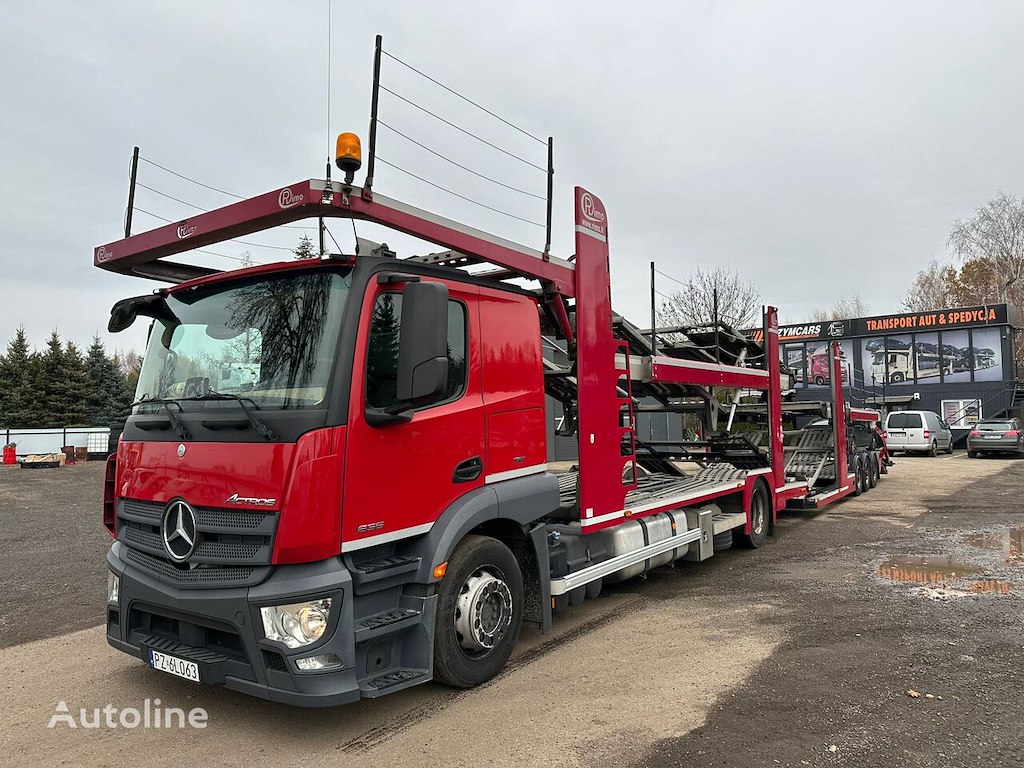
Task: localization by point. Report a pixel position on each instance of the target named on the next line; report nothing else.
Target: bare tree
(850, 306)
(935, 287)
(994, 236)
(693, 303)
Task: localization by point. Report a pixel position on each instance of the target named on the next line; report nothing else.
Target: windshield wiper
(178, 425)
(243, 402)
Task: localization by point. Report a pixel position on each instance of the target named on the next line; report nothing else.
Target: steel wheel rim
(483, 611)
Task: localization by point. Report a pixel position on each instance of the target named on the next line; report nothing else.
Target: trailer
(369, 507)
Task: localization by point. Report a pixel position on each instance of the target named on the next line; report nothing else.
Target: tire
(949, 451)
(897, 378)
(819, 380)
(972, 454)
(858, 478)
(934, 450)
(760, 519)
(874, 470)
(480, 602)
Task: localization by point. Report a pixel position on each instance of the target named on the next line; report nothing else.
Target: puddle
(933, 573)
(1009, 543)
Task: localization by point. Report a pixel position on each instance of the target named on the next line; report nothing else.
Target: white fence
(30, 441)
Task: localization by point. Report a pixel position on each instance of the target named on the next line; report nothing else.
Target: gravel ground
(53, 544)
(801, 653)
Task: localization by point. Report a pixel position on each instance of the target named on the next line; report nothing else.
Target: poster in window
(793, 357)
(872, 357)
(928, 358)
(956, 358)
(899, 359)
(818, 365)
(985, 354)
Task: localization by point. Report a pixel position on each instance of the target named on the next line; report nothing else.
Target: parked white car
(921, 431)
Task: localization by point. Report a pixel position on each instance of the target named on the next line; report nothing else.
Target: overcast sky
(820, 149)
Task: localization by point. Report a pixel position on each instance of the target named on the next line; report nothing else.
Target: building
(957, 362)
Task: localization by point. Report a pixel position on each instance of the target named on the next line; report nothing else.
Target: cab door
(400, 475)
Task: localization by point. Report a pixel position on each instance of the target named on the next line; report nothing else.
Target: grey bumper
(221, 630)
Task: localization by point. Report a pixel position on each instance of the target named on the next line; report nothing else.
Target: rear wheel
(934, 450)
(874, 471)
(479, 612)
(760, 519)
(858, 477)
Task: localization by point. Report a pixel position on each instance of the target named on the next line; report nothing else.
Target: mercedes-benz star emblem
(179, 530)
(181, 450)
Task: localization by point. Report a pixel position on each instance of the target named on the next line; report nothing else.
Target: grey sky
(820, 149)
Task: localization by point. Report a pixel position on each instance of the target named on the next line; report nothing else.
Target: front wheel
(479, 612)
(760, 519)
(972, 454)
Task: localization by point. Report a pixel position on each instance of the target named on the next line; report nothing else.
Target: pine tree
(76, 387)
(305, 249)
(15, 379)
(109, 393)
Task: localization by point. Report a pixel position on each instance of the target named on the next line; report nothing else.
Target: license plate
(898, 434)
(175, 666)
(993, 437)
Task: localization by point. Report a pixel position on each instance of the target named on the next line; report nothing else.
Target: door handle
(468, 470)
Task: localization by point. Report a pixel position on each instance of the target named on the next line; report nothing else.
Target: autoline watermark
(151, 715)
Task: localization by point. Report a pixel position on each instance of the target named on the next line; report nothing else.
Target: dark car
(995, 436)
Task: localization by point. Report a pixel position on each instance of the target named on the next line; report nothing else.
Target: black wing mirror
(422, 343)
(124, 313)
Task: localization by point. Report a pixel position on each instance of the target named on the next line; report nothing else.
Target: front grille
(230, 543)
(201, 576)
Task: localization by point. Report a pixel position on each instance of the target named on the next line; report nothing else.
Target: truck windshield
(271, 339)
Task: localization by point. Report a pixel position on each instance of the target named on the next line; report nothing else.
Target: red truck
(334, 483)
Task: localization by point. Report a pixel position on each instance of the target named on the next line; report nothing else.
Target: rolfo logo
(151, 715)
(287, 198)
(186, 230)
(102, 254)
(590, 209)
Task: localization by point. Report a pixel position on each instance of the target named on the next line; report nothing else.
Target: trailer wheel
(479, 612)
(874, 471)
(760, 519)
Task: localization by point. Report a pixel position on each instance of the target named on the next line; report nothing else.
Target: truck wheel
(865, 471)
(479, 612)
(858, 478)
(934, 450)
(760, 519)
(819, 380)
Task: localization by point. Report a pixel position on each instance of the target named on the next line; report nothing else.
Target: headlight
(113, 586)
(296, 624)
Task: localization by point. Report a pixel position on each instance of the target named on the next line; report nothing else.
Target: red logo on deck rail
(287, 198)
(102, 254)
(186, 230)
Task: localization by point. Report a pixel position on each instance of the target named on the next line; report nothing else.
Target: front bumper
(222, 631)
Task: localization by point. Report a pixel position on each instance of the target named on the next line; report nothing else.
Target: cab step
(386, 623)
(382, 572)
(389, 682)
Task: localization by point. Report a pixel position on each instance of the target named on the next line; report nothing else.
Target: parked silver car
(921, 431)
(995, 436)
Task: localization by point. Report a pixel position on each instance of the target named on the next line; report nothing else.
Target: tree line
(60, 386)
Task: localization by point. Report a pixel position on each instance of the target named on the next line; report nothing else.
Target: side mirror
(422, 343)
(122, 315)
